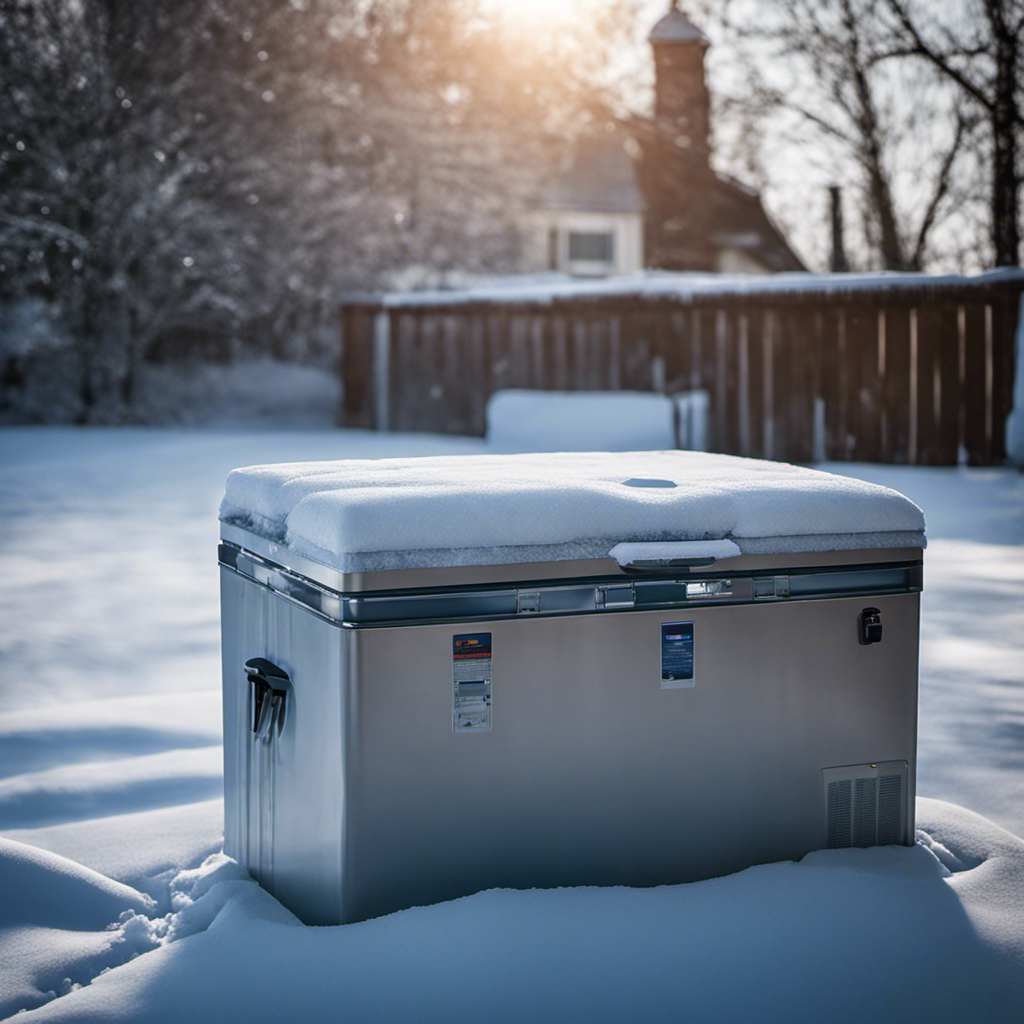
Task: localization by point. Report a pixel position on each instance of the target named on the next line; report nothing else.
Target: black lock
(869, 626)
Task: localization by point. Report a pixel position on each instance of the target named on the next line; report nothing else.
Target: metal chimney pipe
(838, 263)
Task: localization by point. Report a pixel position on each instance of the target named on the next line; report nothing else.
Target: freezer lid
(641, 561)
(419, 596)
(366, 516)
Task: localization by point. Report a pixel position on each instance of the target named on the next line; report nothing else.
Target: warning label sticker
(471, 682)
(676, 655)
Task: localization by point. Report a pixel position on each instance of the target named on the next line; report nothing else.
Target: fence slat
(977, 440)
(800, 345)
(755, 382)
(948, 362)
(675, 346)
(833, 327)
(478, 385)
(634, 350)
(601, 351)
(896, 387)
(460, 401)
(403, 327)
(498, 345)
(1004, 358)
(359, 408)
(929, 347)
(862, 403)
(781, 370)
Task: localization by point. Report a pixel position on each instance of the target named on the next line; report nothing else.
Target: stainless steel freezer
(403, 737)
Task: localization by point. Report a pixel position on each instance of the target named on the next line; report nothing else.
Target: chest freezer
(447, 675)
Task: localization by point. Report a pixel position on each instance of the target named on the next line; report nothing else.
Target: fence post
(357, 373)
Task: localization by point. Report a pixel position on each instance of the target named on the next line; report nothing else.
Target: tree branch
(46, 227)
(939, 60)
(942, 187)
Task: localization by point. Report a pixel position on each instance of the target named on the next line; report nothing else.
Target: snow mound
(143, 849)
(62, 925)
(883, 934)
(45, 890)
(360, 515)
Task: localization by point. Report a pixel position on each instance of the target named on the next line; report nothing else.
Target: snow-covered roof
(544, 289)
(365, 516)
(675, 27)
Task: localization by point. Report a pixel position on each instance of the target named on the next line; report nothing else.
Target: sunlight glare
(536, 12)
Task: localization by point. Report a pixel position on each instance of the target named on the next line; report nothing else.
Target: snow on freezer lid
(369, 515)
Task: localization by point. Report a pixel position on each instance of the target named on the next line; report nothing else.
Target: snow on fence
(904, 368)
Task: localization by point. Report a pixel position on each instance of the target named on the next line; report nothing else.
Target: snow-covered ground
(110, 760)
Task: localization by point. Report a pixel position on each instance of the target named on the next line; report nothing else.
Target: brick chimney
(680, 91)
(676, 176)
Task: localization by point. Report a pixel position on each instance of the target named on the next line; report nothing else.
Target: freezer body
(536, 731)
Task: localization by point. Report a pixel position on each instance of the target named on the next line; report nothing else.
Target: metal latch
(268, 698)
(610, 598)
(767, 588)
(708, 589)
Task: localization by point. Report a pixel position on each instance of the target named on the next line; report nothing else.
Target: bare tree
(825, 62)
(978, 46)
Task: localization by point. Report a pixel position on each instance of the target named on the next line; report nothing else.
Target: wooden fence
(904, 368)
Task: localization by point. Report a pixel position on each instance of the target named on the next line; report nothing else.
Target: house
(646, 196)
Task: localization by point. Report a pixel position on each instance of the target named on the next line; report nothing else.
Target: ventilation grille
(864, 804)
(839, 831)
(890, 810)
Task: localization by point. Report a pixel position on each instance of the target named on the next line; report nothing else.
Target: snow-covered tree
(224, 168)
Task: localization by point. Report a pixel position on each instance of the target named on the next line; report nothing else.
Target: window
(591, 246)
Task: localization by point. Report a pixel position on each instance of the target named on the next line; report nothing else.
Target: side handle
(270, 694)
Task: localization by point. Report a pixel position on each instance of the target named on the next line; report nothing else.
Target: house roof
(742, 223)
(600, 179)
(603, 179)
(675, 27)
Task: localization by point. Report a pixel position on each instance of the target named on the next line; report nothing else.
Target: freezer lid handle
(656, 556)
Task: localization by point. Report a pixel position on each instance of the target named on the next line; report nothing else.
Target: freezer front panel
(619, 745)
(594, 771)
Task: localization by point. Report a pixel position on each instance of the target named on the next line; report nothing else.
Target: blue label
(677, 652)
